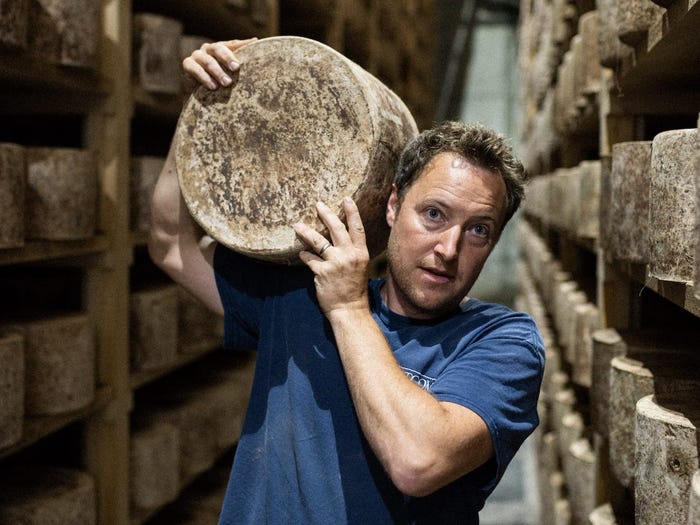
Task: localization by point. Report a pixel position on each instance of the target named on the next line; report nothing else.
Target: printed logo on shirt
(421, 380)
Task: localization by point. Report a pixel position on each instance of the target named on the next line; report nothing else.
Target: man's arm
(177, 244)
(423, 443)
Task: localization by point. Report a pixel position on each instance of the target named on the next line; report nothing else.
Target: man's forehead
(452, 158)
(458, 161)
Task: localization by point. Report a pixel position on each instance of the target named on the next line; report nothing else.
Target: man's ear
(392, 206)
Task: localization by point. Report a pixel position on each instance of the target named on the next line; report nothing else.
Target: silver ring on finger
(324, 248)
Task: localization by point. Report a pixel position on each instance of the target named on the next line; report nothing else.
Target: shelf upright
(107, 288)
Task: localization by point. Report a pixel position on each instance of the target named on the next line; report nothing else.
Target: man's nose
(449, 242)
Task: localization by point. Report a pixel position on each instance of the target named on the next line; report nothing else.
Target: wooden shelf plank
(39, 427)
(21, 69)
(588, 244)
(215, 19)
(166, 107)
(34, 251)
(139, 238)
(680, 294)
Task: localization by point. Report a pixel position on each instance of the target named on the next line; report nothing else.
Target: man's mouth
(437, 274)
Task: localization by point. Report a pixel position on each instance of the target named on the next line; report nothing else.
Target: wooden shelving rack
(119, 120)
(651, 87)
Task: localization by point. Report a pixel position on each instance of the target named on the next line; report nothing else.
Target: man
(401, 401)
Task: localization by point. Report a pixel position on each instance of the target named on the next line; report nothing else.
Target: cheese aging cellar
(145, 379)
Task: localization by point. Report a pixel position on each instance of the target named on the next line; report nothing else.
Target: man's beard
(400, 276)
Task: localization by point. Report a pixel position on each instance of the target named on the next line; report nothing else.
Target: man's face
(441, 234)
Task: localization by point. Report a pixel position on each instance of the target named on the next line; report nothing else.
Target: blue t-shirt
(302, 457)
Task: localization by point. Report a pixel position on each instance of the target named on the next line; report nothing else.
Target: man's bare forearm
(422, 443)
(177, 244)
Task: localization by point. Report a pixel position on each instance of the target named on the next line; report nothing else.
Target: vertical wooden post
(107, 432)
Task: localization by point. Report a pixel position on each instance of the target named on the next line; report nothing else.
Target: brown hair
(475, 142)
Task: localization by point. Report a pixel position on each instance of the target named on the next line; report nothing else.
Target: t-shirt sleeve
(235, 280)
(240, 282)
(248, 289)
(498, 375)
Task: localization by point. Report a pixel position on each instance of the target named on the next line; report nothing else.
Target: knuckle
(199, 54)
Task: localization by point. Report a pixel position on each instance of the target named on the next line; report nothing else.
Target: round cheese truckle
(300, 123)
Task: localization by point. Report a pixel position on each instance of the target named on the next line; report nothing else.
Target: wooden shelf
(184, 357)
(587, 244)
(21, 69)
(214, 19)
(39, 427)
(680, 294)
(661, 73)
(166, 107)
(139, 238)
(34, 251)
(139, 516)
(105, 113)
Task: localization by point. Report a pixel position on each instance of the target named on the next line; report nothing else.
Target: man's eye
(481, 230)
(433, 213)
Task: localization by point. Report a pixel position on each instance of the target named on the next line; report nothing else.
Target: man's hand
(341, 263)
(212, 64)
(422, 443)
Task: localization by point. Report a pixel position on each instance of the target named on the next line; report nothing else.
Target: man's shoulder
(473, 307)
(500, 320)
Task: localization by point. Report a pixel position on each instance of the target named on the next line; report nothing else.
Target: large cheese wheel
(59, 363)
(62, 193)
(672, 206)
(153, 327)
(66, 32)
(300, 123)
(154, 464)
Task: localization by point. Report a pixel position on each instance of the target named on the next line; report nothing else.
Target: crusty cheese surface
(300, 123)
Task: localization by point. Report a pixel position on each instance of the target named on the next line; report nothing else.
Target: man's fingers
(223, 52)
(221, 56)
(213, 63)
(197, 73)
(356, 229)
(340, 235)
(314, 240)
(236, 44)
(336, 228)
